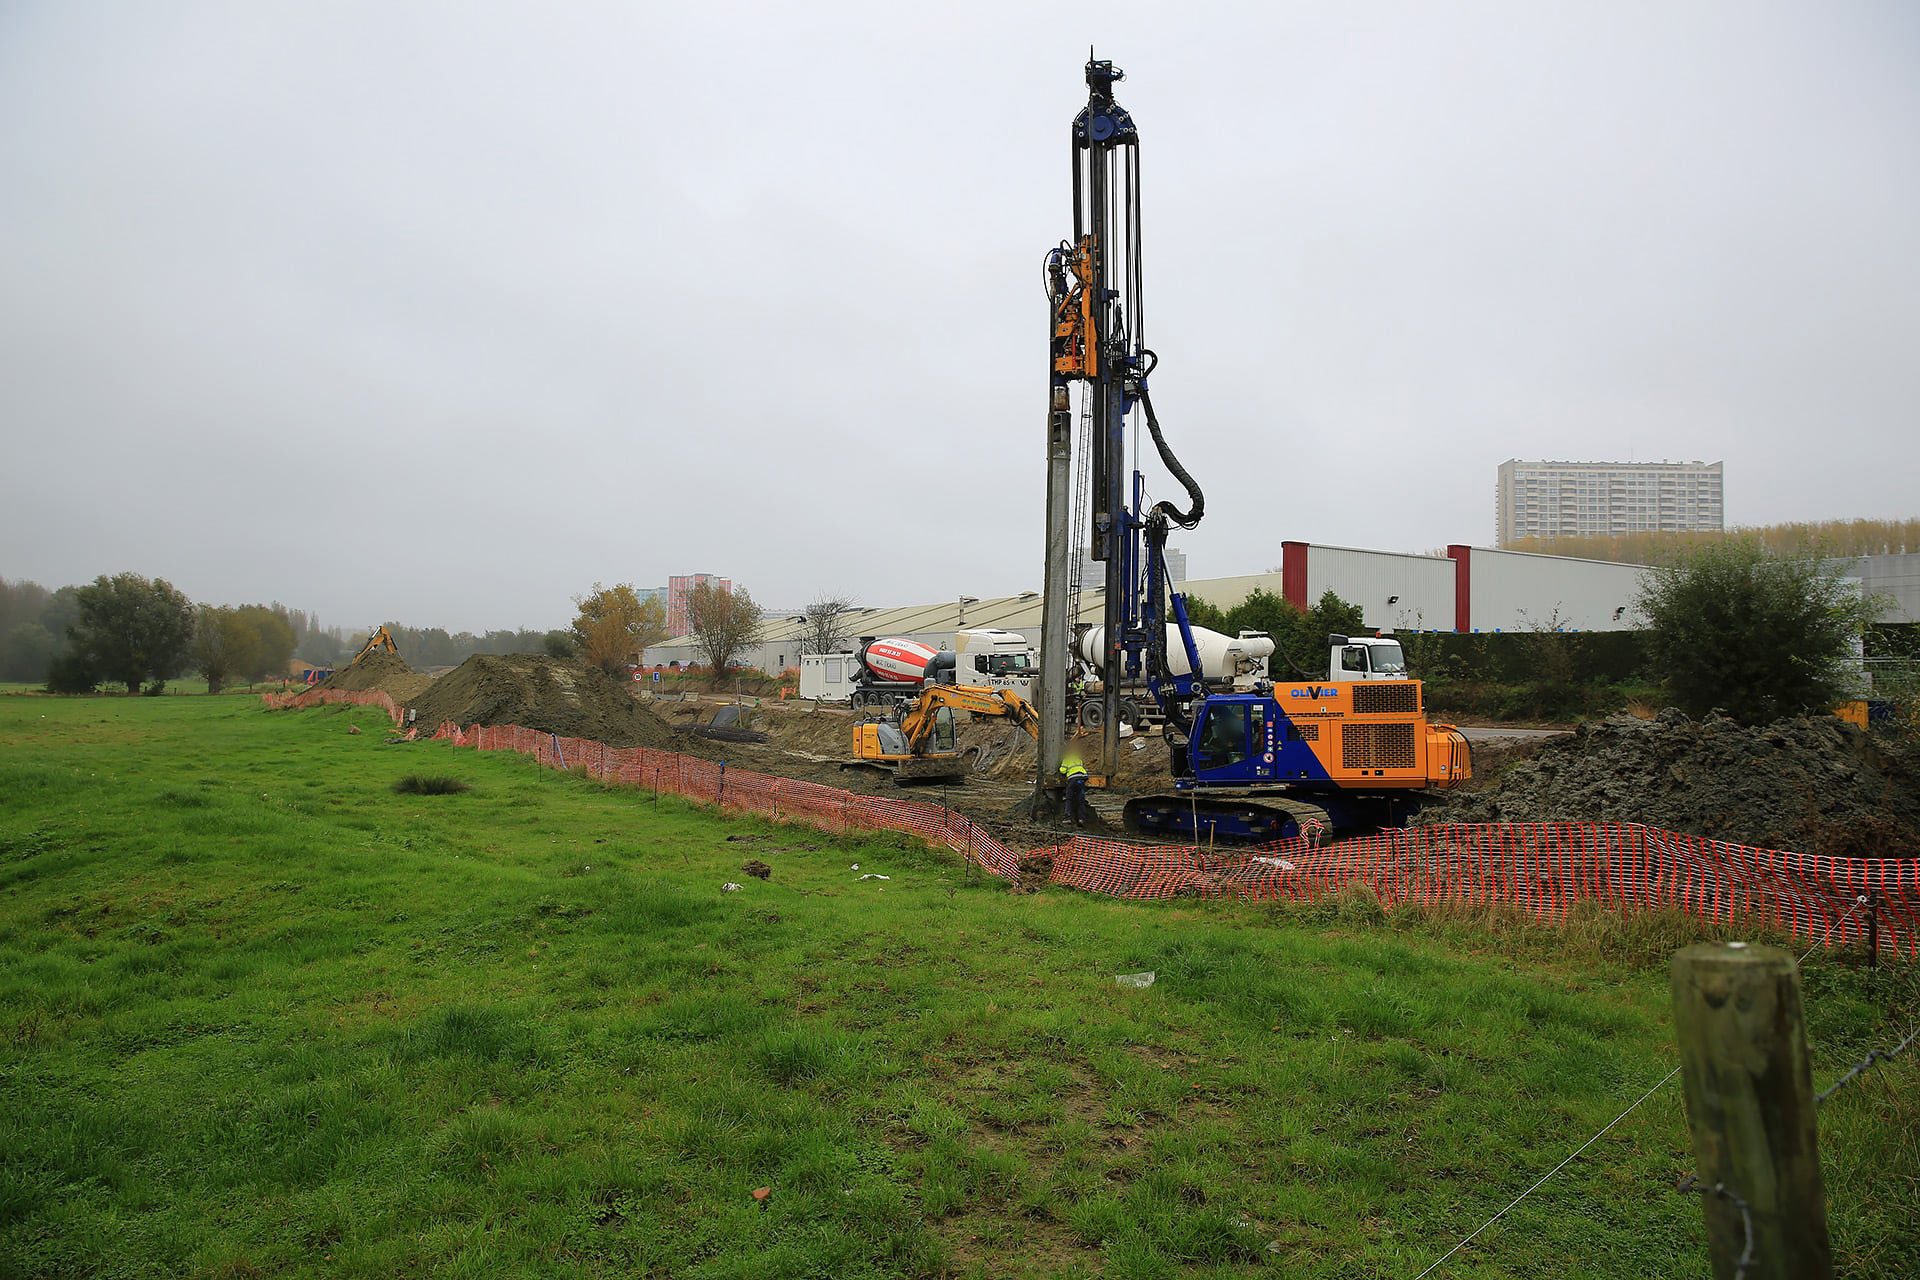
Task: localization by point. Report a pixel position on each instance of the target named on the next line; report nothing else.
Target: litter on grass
(1134, 979)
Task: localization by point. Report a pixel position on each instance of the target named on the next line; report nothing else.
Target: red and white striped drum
(897, 661)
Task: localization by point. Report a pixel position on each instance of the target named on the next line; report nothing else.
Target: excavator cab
(883, 744)
(925, 742)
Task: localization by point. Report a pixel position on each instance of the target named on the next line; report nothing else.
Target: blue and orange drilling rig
(1260, 764)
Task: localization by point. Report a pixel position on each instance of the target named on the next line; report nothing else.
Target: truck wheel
(1130, 713)
(1092, 714)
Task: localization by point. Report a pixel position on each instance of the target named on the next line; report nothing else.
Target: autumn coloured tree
(615, 626)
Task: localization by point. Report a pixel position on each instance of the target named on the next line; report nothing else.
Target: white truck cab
(990, 658)
(1365, 658)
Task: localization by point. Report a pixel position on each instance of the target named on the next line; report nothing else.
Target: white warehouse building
(1466, 589)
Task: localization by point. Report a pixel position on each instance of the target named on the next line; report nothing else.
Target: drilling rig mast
(1095, 304)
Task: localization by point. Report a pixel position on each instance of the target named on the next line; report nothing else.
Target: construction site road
(1505, 732)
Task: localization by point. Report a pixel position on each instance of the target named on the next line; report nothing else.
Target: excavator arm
(918, 723)
(381, 641)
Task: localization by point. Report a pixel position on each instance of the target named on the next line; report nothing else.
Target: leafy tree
(1334, 616)
(71, 672)
(615, 625)
(26, 651)
(560, 644)
(321, 648)
(825, 625)
(61, 612)
(1299, 635)
(1760, 636)
(271, 642)
(131, 629)
(722, 623)
(222, 638)
(21, 604)
(1204, 613)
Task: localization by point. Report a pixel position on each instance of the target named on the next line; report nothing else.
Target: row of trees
(126, 629)
(1800, 540)
(247, 641)
(134, 631)
(1299, 635)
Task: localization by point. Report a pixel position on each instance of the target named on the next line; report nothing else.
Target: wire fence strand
(1548, 1176)
(1692, 1183)
(1866, 1064)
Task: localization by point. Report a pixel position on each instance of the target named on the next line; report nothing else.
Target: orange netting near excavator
(1541, 868)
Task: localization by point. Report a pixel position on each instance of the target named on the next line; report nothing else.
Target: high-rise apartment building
(679, 587)
(1605, 499)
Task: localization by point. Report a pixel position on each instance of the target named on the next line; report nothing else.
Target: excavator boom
(924, 745)
(381, 641)
(918, 722)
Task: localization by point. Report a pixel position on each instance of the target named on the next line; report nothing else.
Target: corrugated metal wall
(1895, 577)
(1393, 589)
(1517, 591)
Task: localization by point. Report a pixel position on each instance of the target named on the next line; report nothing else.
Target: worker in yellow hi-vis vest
(1075, 772)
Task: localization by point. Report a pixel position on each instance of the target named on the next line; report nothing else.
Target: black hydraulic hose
(1198, 501)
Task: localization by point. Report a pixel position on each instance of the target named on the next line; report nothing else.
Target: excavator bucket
(930, 769)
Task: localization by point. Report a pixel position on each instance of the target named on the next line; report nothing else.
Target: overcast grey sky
(444, 311)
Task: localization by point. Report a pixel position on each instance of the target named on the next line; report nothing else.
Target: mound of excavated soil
(380, 670)
(370, 672)
(1814, 784)
(548, 694)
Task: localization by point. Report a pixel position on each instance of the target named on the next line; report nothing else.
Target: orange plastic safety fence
(1542, 868)
(336, 697)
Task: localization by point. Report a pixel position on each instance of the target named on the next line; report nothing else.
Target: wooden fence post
(1749, 1089)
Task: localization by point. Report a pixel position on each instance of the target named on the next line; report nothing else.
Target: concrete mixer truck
(885, 670)
(1237, 662)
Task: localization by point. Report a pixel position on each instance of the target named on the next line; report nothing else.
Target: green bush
(72, 673)
(1760, 636)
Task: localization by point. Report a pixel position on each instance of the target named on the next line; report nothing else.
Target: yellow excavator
(381, 641)
(924, 745)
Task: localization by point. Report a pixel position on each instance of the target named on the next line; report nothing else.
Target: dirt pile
(380, 670)
(548, 694)
(368, 672)
(1813, 784)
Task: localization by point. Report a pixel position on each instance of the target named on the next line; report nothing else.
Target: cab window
(1353, 658)
(1224, 740)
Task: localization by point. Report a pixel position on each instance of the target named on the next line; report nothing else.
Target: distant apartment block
(679, 587)
(1605, 499)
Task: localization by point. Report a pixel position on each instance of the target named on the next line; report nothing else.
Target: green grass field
(260, 1015)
